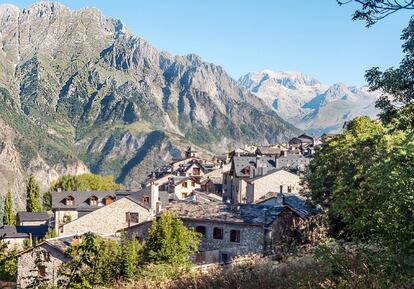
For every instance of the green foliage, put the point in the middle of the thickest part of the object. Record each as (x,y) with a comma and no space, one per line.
(85,182)
(363,180)
(372,11)
(359,266)
(129,256)
(169,241)
(8,263)
(51,233)
(33,196)
(396,85)
(9,216)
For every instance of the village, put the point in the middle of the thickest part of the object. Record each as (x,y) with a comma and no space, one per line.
(249,201)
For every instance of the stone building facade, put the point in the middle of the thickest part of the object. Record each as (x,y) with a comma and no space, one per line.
(277,180)
(109,219)
(43,260)
(222,241)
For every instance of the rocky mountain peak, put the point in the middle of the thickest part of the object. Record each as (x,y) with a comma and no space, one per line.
(82,89)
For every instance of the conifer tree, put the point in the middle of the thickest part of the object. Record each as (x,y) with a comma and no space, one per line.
(9,217)
(33,196)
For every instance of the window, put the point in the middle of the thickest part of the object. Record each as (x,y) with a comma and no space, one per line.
(218,233)
(109,200)
(289,189)
(235,236)
(146,199)
(185,185)
(201,230)
(281,188)
(69,201)
(93,201)
(42,271)
(132,217)
(193,184)
(45,256)
(196,171)
(184,195)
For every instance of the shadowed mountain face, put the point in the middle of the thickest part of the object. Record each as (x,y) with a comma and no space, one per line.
(307,103)
(79,92)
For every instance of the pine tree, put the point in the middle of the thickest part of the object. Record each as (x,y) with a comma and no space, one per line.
(33,196)
(9,218)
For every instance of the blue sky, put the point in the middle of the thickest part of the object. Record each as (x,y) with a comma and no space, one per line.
(315,37)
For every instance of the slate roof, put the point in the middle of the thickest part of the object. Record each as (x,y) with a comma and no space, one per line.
(241,162)
(32,216)
(293,201)
(81,199)
(267,150)
(11,232)
(258,214)
(22,231)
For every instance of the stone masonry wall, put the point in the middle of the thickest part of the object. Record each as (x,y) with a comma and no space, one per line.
(26,266)
(106,220)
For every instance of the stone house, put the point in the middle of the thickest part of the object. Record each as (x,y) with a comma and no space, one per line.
(242,169)
(32,219)
(225,234)
(236,230)
(14,239)
(277,179)
(129,210)
(297,162)
(180,187)
(69,206)
(43,260)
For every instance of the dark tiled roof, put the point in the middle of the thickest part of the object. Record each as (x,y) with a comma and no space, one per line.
(241,162)
(268,150)
(11,232)
(81,199)
(32,216)
(22,231)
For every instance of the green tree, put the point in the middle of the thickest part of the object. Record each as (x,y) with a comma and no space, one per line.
(9,216)
(85,182)
(169,241)
(130,249)
(8,263)
(93,262)
(33,196)
(51,233)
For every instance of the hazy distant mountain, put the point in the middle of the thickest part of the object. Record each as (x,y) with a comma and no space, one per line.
(307,103)
(80,92)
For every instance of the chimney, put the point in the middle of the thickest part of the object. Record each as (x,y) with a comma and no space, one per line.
(280,199)
(154,197)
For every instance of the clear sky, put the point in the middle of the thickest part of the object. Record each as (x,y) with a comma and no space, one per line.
(316,37)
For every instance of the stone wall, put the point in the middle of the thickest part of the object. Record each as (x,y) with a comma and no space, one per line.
(272,183)
(251,239)
(26,265)
(106,220)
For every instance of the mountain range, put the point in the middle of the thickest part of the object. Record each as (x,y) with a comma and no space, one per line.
(307,103)
(79,92)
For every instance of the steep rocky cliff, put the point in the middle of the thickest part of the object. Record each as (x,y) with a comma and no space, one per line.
(80,92)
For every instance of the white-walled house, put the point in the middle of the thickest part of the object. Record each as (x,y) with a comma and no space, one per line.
(278,180)
(181,187)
